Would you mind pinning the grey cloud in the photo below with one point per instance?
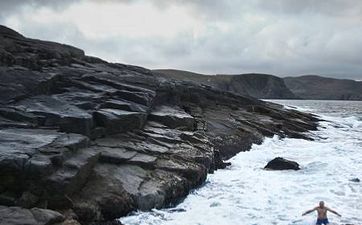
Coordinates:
(11, 4)
(330, 7)
(9, 7)
(292, 37)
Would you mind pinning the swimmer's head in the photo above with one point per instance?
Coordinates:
(321, 204)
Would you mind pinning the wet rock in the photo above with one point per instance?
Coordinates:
(124, 105)
(8, 199)
(28, 83)
(71, 141)
(70, 222)
(87, 212)
(28, 200)
(143, 160)
(39, 166)
(282, 164)
(357, 180)
(218, 161)
(106, 191)
(57, 112)
(173, 118)
(44, 216)
(223, 165)
(34, 216)
(115, 155)
(70, 178)
(96, 140)
(115, 120)
(114, 222)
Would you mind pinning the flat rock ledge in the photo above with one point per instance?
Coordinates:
(84, 141)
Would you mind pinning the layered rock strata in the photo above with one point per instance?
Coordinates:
(84, 140)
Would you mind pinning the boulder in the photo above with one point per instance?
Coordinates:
(357, 180)
(282, 164)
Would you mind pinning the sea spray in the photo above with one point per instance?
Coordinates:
(246, 194)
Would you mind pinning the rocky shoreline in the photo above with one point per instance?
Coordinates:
(87, 141)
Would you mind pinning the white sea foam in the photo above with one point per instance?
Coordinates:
(245, 194)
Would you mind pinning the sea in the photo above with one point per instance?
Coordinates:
(245, 194)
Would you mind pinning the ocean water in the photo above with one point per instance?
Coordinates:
(245, 194)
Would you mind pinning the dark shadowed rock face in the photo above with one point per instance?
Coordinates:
(282, 164)
(94, 140)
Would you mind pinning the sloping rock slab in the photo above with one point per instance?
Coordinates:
(58, 113)
(173, 118)
(115, 120)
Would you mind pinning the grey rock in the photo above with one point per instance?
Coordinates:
(44, 216)
(115, 155)
(59, 113)
(282, 164)
(173, 117)
(124, 105)
(115, 120)
(28, 200)
(70, 178)
(34, 216)
(106, 191)
(96, 140)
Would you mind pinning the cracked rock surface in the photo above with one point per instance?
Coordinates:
(87, 141)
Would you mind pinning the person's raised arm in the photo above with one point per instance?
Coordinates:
(309, 211)
(332, 211)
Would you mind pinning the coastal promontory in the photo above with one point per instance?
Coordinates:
(86, 141)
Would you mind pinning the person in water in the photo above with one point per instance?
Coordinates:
(322, 213)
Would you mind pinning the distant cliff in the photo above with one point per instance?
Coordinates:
(265, 86)
(316, 87)
(261, 86)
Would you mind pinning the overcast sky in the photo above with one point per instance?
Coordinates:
(281, 37)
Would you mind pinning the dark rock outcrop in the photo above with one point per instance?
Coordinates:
(282, 164)
(34, 216)
(357, 180)
(94, 140)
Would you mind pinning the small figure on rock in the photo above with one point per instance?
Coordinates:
(322, 213)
